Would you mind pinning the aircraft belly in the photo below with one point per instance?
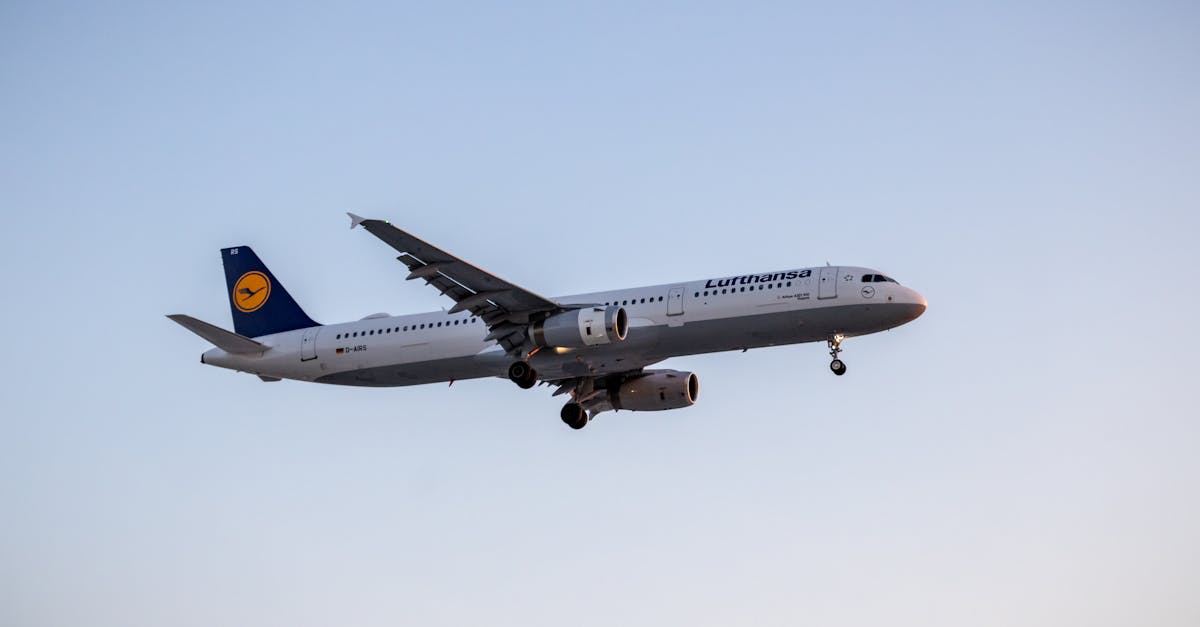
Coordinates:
(793, 326)
(417, 373)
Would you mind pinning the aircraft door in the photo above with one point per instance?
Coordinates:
(675, 301)
(827, 286)
(308, 344)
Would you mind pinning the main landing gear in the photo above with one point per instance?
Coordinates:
(522, 374)
(835, 347)
(574, 415)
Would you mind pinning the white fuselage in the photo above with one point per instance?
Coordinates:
(747, 311)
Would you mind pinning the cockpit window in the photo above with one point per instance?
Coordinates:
(867, 278)
(878, 278)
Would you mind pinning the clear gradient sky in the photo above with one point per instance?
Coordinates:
(1023, 454)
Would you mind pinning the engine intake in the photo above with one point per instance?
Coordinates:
(657, 390)
(581, 328)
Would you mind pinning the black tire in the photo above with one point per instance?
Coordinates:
(519, 371)
(837, 367)
(529, 381)
(573, 415)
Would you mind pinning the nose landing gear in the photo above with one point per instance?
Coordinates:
(835, 348)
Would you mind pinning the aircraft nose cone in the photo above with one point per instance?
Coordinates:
(915, 305)
(921, 303)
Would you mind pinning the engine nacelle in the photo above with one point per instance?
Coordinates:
(656, 390)
(581, 328)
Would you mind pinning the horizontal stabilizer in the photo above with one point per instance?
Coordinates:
(227, 341)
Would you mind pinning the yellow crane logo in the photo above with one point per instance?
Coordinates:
(251, 291)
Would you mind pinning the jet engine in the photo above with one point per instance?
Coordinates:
(656, 390)
(581, 328)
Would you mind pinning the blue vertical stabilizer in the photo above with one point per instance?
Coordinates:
(259, 303)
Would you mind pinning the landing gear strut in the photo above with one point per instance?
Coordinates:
(574, 415)
(835, 347)
(522, 374)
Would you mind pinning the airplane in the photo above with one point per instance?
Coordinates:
(597, 348)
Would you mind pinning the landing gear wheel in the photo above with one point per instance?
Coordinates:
(574, 416)
(835, 348)
(521, 374)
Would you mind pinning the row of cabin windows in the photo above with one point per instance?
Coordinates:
(735, 290)
(414, 327)
(633, 301)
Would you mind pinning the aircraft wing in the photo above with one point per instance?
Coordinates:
(506, 308)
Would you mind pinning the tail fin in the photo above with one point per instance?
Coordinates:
(258, 301)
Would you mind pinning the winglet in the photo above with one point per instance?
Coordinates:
(355, 220)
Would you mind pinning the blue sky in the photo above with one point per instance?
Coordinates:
(1022, 454)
